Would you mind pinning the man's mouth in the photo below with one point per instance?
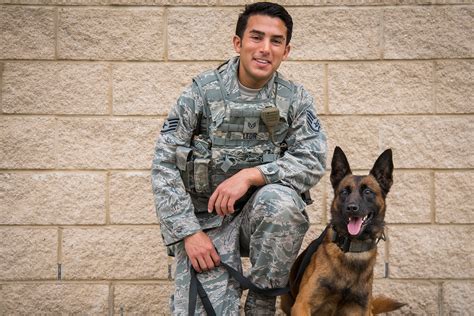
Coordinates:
(262, 61)
(357, 224)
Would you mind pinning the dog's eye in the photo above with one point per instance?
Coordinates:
(368, 192)
(345, 192)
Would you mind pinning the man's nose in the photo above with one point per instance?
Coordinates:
(265, 46)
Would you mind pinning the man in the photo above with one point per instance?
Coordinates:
(233, 159)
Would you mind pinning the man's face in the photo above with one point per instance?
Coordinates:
(262, 49)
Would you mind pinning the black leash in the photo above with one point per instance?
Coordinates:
(196, 289)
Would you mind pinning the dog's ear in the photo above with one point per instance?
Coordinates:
(382, 171)
(339, 167)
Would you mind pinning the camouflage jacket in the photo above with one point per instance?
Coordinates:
(301, 166)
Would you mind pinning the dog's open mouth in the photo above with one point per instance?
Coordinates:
(356, 224)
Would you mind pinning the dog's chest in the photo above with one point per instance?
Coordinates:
(345, 291)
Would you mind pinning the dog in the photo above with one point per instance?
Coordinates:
(338, 276)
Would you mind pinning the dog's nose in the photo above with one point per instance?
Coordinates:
(352, 208)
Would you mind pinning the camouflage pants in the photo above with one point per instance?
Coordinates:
(269, 229)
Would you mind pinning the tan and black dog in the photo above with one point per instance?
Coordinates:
(338, 276)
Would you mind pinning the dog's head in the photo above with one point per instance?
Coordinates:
(358, 208)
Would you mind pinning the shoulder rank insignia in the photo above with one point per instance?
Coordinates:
(313, 121)
(170, 125)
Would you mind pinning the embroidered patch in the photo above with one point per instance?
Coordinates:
(251, 125)
(170, 125)
(313, 121)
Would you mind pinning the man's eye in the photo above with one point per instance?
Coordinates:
(278, 42)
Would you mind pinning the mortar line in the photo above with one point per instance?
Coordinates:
(107, 198)
(321, 115)
(111, 300)
(60, 254)
(440, 298)
(56, 141)
(56, 31)
(110, 90)
(165, 35)
(2, 66)
(326, 88)
(433, 197)
(60, 245)
(435, 88)
(381, 35)
(218, 61)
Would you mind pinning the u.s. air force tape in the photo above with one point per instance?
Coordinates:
(170, 125)
(313, 121)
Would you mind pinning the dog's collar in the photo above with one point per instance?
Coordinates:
(347, 244)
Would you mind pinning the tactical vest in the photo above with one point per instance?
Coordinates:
(231, 134)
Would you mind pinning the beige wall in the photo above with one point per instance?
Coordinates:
(85, 87)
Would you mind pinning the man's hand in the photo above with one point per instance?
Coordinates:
(232, 189)
(201, 252)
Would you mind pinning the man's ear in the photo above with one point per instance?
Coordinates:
(287, 51)
(237, 43)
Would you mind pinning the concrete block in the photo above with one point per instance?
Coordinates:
(453, 197)
(380, 88)
(428, 32)
(141, 299)
(311, 76)
(358, 138)
(27, 32)
(455, 86)
(335, 34)
(95, 143)
(421, 297)
(28, 253)
(431, 252)
(317, 210)
(113, 253)
(409, 199)
(201, 33)
(111, 34)
(131, 199)
(27, 142)
(54, 298)
(52, 198)
(429, 141)
(151, 89)
(55, 88)
(457, 297)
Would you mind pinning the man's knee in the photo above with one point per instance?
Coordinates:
(276, 200)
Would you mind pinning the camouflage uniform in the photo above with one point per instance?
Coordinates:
(270, 221)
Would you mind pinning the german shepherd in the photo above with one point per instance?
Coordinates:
(338, 278)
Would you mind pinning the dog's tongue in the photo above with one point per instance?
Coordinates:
(355, 223)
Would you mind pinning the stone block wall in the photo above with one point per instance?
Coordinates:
(86, 84)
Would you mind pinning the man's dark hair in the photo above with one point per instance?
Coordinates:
(264, 8)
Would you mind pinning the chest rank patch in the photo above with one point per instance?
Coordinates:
(251, 125)
(313, 121)
(170, 125)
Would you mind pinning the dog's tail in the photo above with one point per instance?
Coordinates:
(382, 304)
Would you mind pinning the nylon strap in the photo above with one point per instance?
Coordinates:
(196, 289)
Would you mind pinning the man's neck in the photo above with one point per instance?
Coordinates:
(248, 92)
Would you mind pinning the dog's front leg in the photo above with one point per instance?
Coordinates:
(301, 309)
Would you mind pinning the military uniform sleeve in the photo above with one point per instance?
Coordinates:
(304, 162)
(173, 204)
